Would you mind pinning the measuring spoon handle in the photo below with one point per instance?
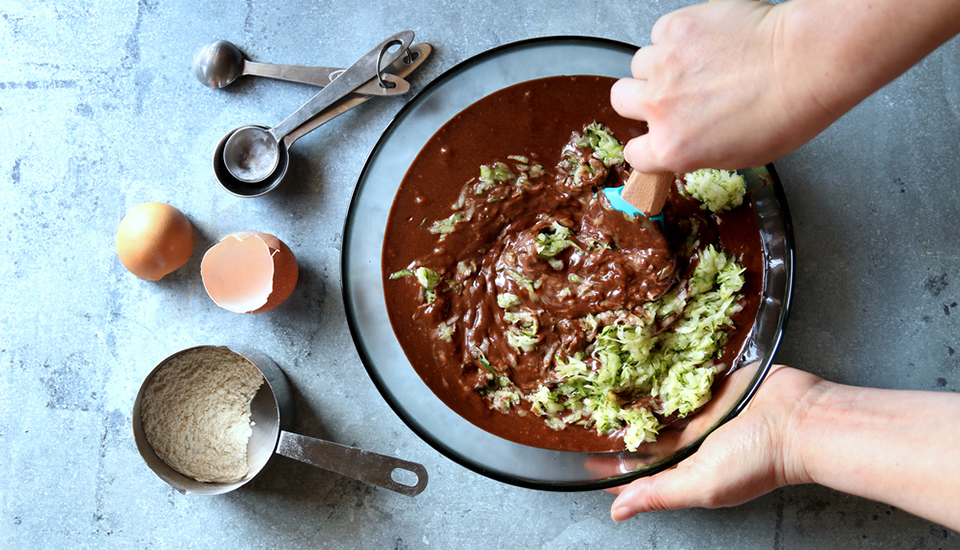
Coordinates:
(372, 468)
(401, 68)
(362, 70)
(321, 76)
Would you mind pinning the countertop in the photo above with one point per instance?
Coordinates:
(102, 112)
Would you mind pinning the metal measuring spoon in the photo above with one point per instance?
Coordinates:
(403, 67)
(252, 153)
(271, 413)
(220, 63)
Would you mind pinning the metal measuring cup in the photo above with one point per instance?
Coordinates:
(271, 412)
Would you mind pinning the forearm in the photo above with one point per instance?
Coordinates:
(847, 49)
(897, 447)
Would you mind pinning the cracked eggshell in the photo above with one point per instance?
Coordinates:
(154, 239)
(249, 272)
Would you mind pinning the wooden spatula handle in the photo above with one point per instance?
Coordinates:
(647, 192)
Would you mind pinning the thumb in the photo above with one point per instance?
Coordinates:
(669, 490)
(637, 153)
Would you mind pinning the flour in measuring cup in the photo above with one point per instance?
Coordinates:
(196, 413)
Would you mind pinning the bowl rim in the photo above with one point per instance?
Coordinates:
(561, 486)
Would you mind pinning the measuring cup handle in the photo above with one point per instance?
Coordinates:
(323, 76)
(317, 76)
(362, 70)
(401, 68)
(372, 468)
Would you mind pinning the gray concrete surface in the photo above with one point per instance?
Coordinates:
(101, 112)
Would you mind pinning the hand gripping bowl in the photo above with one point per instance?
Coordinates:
(386, 362)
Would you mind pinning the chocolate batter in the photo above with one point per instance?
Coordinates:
(529, 235)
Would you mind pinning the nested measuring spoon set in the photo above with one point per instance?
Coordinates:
(252, 160)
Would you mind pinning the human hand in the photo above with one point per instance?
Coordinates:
(718, 90)
(743, 459)
(739, 83)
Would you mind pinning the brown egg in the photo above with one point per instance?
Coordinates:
(249, 272)
(154, 239)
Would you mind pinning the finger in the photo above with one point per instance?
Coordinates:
(660, 26)
(657, 31)
(626, 98)
(670, 490)
(641, 65)
(620, 488)
(638, 154)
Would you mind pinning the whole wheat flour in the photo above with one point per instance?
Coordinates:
(196, 413)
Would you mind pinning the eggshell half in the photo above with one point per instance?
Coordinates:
(249, 272)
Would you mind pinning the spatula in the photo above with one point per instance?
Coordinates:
(642, 194)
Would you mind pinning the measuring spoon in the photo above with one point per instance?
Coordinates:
(252, 153)
(270, 414)
(220, 63)
(402, 67)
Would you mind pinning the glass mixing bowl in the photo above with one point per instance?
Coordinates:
(386, 362)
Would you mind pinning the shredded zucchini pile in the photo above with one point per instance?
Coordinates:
(717, 190)
(642, 376)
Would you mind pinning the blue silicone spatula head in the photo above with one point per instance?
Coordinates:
(643, 194)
